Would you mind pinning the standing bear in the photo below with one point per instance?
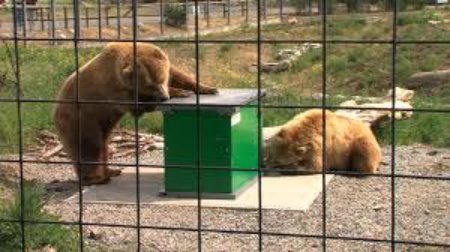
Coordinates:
(350, 144)
(84, 128)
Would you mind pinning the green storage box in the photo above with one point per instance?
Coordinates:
(228, 135)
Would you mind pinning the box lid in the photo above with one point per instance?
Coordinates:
(227, 100)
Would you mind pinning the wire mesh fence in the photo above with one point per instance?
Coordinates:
(77, 31)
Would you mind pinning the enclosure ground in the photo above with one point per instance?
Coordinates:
(355, 207)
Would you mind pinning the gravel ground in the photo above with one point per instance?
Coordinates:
(355, 207)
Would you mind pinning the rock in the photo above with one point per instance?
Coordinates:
(434, 22)
(378, 207)
(401, 94)
(432, 153)
(349, 103)
(159, 146)
(428, 80)
(94, 236)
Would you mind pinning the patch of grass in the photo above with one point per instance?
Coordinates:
(427, 128)
(42, 72)
(404, 68)
(358, 70)
(61, 238)
(340, 27)
(175, 15)
(308, 59)
(245, 27)
(418, 18)
(8, 128)
(150, 122)
(225, 49)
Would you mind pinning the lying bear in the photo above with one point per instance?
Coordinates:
(109, 76)
(350, 145)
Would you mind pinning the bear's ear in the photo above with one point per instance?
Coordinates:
(282, 133)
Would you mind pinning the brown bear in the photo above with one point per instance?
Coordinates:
(109, 77)
(350, 145)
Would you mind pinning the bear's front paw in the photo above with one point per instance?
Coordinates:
(208, 90)
(176, 92)
(113, 172)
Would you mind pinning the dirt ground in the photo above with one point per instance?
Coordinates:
(355, 207)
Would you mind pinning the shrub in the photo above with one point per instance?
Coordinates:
(418, 18)
(299, 5)
(404, 4)
(175, 15)
(37, 236)
(353, 5)
(427, 128)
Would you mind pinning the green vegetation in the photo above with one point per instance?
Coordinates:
(37, 236)
(427, 128)
(175, 15)
(352, 69)
(422, 17)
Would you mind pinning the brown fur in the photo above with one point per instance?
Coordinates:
(108, 77)
(350, 144)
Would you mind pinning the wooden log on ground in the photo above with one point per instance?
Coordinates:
(286, 58)
(375, 117)
(52, 152)
(428, 80)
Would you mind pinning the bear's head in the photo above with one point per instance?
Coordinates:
(285, 151)
(152, 78)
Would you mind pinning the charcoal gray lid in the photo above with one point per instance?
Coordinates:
(227, 99)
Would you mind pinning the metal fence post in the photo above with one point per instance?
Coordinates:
(119, 27)
(246, 10)
(25, 19)
(107, 15)
(281, 10)
(310, 7)
(161, 17)
(265, 9)
(52, 10)
(86, 13)
(229, 12)
(207, 13)
(99, 18)
(41, 14)
(66, 22)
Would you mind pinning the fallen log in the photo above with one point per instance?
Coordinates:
(52, 152)
(122, 144)
(285, 58)
(375, 117)
(428, 80)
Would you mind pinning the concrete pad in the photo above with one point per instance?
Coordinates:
(281, 192)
